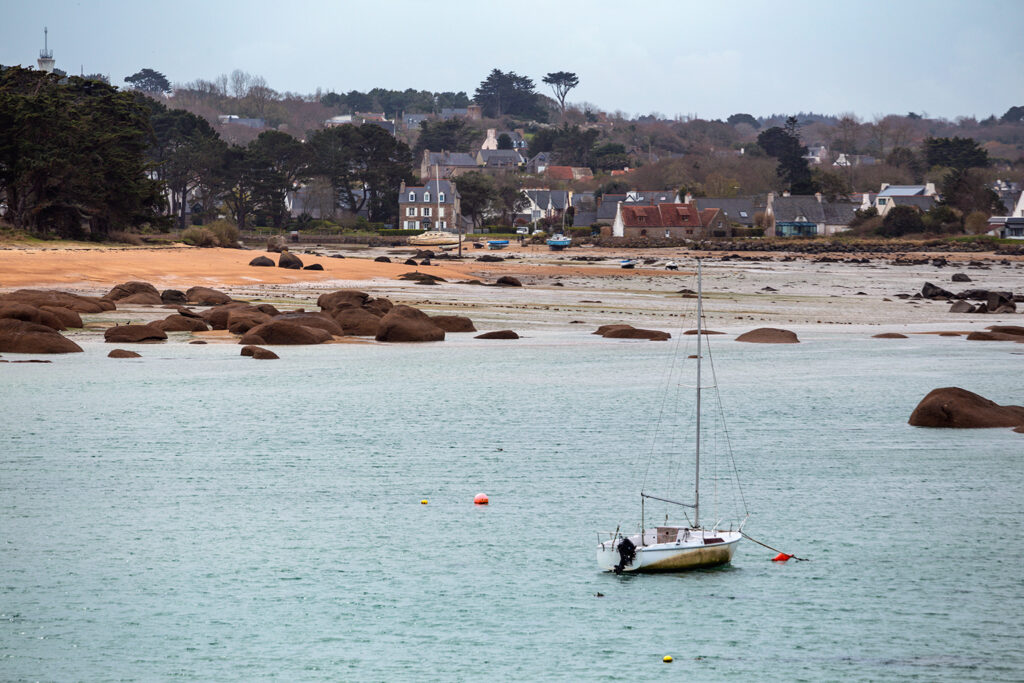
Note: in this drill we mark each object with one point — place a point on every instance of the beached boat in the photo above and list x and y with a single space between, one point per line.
497 244
559 242
674 547
627 263
435 238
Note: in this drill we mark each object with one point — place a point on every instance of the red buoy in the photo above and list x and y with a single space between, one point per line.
480 499
781 557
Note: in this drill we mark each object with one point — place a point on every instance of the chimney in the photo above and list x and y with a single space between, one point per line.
688 198
817 195
929 190
401 190
884 185
785 193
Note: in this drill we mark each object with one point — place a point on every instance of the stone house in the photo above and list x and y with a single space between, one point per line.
669 221
432 206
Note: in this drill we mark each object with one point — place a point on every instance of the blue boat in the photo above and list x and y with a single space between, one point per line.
559 242
497 244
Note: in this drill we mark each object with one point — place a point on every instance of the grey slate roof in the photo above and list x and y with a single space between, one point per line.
736 209
839 213
583 199
923 203
431 187
452 159
541 198
609 206
651 197
500 157
798 209
559 199
583 219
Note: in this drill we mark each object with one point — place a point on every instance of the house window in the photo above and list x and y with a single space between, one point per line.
881 201
440 197
410 211
411 225
743 214
426 211
426 196
689 231
440 212
412 197
668 234
441 225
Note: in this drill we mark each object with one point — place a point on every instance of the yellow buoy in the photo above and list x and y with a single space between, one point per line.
423 502
667 659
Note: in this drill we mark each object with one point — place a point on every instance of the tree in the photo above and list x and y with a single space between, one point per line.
833 186
784 145
561 83
281 162
504 141
510 199
149 81
966 190
743 118
476 192
1013 115
976 223
453 135
239 184
609 156
73 156
510 94
365 165
901 220
958 153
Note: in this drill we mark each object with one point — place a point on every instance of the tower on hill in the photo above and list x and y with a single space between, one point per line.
45 60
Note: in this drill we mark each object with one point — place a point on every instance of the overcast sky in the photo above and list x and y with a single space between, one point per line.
944 58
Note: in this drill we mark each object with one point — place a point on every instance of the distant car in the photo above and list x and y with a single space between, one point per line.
522 231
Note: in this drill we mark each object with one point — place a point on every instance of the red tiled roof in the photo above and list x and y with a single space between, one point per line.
560 172
665 216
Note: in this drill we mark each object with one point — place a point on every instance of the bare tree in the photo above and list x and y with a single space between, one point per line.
240 83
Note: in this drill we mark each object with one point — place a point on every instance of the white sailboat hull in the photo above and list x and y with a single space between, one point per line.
688 549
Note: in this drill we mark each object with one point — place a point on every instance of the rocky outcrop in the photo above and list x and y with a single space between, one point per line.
313 266
205 296
994 336
259 353
425 278
318 320
889 335
694 332
961 277
768 335
31 314
1015 330
961 307
962 409
342 298
173 296
180 323
18 336
379 307
604 329
357 321
52 297
275 244
630 332
262 261
382 259
123 353
67 317
242 319
508 281
279 332
1000 302
289 260
141 299
133 334
498 334
127 289
453 323
408 324
930 291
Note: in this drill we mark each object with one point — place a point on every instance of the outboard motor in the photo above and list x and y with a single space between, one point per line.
627 553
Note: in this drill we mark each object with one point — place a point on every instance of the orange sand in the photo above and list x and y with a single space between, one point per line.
181 267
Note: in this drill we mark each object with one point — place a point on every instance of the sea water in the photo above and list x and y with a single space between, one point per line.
197 515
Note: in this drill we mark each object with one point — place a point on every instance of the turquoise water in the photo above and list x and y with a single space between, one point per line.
200 516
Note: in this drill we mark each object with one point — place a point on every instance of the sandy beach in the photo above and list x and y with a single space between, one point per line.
580 285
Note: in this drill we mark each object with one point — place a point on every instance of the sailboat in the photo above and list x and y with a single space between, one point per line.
673 547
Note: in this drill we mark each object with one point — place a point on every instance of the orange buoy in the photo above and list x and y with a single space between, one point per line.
480 499
781 557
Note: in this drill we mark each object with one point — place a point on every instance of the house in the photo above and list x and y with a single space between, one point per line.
848 160
432 206
545 203
1007 227
569 173
608 208
446 164
883 200
413 121
472 112
503 159
669 221
737 210
1018 209
239 121
806 215
320 201
491 141
652 197
817 155
538 163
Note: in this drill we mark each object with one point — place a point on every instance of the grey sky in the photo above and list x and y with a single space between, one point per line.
944 58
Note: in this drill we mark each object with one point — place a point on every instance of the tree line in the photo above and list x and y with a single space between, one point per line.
80 159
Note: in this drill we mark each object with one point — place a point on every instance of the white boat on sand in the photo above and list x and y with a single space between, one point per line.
435 238
674 547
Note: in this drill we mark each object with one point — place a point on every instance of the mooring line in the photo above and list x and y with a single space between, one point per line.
744 535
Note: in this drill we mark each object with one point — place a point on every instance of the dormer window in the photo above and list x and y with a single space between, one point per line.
412 196
440 197
426 196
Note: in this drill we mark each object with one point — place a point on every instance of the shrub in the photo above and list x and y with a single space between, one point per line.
225 232
198 237
122 237
901 220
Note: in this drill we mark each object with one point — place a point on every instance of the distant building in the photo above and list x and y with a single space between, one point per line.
736 210
499 159
888 194
431 206
233 119
668 221
569 173
491 141
446 164
46 61
806 215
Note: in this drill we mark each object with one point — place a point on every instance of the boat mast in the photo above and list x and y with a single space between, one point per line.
696 479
